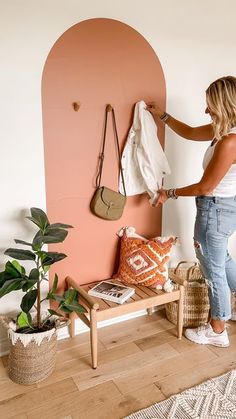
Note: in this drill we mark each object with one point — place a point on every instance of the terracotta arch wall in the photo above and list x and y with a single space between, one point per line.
97 61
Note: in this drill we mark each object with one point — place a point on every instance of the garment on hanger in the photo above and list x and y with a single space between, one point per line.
143 160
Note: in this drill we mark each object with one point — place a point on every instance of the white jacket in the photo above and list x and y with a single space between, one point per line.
143 160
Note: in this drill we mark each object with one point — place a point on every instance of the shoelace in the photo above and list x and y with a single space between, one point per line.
202 327
206 326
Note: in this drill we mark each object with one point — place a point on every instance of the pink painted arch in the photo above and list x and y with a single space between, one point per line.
95 62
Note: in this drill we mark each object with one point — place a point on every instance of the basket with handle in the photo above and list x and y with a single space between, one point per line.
196 301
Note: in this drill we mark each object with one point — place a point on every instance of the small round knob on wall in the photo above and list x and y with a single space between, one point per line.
76 106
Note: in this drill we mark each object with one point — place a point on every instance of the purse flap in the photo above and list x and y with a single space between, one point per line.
112 198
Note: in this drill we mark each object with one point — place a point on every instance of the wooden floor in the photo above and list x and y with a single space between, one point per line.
140 362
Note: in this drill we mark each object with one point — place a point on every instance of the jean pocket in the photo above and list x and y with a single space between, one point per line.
226 221
202 204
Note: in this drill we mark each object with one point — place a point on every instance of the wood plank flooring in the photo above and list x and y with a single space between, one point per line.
140 362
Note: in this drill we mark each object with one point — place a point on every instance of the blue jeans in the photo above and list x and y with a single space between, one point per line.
215 223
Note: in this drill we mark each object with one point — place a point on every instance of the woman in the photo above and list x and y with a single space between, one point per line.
216 203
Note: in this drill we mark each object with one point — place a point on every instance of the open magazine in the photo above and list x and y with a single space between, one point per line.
108 290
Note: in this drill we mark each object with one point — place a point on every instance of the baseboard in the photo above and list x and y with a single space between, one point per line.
80 327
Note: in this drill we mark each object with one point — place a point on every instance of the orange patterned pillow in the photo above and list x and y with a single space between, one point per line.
144 261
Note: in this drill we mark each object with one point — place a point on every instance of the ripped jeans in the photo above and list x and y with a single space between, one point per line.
215 223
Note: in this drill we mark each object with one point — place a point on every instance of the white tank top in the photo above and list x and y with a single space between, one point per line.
227 185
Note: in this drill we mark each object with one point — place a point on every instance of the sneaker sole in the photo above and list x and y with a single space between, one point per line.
208 343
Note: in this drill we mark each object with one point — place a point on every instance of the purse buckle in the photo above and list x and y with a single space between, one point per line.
110 205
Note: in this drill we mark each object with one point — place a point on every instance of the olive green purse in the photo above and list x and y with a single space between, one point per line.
106 203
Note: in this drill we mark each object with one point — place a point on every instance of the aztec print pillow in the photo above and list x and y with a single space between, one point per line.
143 261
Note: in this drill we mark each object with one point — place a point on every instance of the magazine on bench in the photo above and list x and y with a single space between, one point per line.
108 290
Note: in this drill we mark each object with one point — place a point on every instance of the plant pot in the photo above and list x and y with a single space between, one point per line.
32 357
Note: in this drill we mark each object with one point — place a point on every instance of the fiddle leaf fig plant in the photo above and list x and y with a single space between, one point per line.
15 276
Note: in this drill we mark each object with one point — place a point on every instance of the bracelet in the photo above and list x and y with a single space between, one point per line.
171 193
165 117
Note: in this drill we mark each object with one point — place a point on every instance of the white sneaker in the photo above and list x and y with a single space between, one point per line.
205 335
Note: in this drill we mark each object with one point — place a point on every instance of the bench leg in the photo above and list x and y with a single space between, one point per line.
72 318
94 338
180 312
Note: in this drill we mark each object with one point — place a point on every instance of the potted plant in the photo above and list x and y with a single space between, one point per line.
32 333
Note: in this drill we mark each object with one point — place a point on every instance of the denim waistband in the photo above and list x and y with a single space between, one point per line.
217 199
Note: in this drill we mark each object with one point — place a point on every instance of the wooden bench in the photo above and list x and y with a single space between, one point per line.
144 298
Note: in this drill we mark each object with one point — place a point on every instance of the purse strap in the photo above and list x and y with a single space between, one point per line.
109 108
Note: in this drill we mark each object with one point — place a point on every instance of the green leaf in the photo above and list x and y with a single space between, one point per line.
55 284
20 254
31 280
70 295
3 278
24 320
46 269
34 274
29 283
56 235
28 300
48 258
11 285
75 306
18 267
60 225
39 218
36 247
12 271
65 309
23 242
54 313
70 302
37 240
55 297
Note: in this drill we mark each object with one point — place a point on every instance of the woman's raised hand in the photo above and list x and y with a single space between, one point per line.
161 199
155 109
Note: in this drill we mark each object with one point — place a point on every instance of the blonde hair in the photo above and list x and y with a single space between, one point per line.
221 102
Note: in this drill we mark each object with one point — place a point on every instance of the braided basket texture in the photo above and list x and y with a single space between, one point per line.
196 301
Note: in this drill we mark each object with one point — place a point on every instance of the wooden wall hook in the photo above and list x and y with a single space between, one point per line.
109 108
76 106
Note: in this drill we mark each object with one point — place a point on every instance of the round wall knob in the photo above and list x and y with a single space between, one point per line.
76 106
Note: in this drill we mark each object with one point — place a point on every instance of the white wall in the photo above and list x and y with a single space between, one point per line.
195 42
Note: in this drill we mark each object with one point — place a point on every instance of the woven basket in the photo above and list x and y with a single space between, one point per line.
33 363
196 301
233 306
32 357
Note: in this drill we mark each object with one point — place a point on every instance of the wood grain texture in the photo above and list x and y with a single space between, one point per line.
140 363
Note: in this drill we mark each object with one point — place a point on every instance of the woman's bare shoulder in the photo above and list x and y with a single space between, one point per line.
227 145
228 140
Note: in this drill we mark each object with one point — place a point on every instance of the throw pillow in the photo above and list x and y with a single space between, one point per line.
144 261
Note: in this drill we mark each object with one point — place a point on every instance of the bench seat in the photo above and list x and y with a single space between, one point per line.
144 298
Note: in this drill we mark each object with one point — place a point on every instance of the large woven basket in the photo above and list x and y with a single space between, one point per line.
233 306
196 301
32 357
33 363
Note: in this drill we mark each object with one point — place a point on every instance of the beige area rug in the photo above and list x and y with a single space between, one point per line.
214 399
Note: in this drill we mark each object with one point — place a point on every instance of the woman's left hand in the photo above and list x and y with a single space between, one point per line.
162 197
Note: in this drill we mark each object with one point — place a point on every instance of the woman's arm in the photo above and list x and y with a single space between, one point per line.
201 133
223 157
